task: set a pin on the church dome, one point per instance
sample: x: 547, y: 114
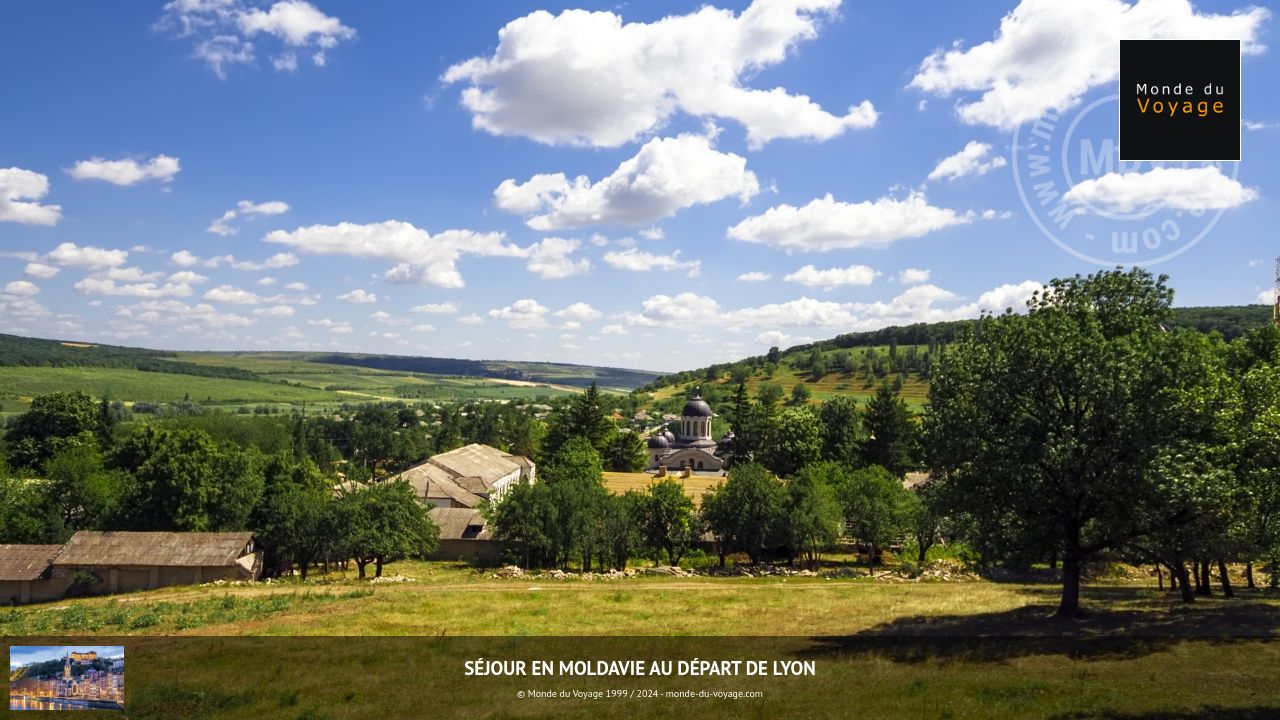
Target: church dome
x: 670, y: 436
x: 697, y: 407
x: 659, y: 441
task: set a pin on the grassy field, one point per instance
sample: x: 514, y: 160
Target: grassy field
x: 972, y: 649
x: 694, y: 485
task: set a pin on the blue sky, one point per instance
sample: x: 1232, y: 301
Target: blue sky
x: 26, y: 654
x: 642, y: 185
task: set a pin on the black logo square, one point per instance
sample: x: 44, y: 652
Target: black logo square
x: 1179, y: 100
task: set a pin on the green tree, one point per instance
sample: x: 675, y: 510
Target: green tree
x: 81, y: 491
x: 526, y: 520
x: 876, y: 507
x: 745, y: 511
x: 794, y: 442
x: 892, y: 440
x: 668, y: 520
x: 843, y: 433
x: 53, y: 421
x: 799, y: 395
x: 288, y: 520
x: 584, y: 417
x: 625, y: 452
x: 812, y: 516
x: 1046, y: 426
x: 575, y: 482
x: 381, y: 523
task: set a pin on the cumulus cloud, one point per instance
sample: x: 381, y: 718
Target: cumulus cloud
x: 588, y: 78
x: 127, y: 171
x: 40, y: 270
x: 359, y: 295
x: 275, y: 311
x: 832, y: 278
x: 223, y: 31
x: 614, y: 330
x: 1266, y: 297
x: 526, y: 314
x: 974, y: 160
x: 667, y: 310
x: 665, y: 176
x: 1047, y: 54
x: 71, y: 255
x: 99, y: 285
x: 827, y: 224
x: 333, y: 326
x: 246, y: 209
x: 446, y: 308
x: 199, y: 316
x: 472, y: 319
x: 24, y: 288
x: 1203, y: 188
x: 754, y: 276
x: 20, y: 192
x: 636, y: 260
x: 913, y: 276
x: 184, y: 258
x: 549, y: 258
x: 579, y: 311
x: 233, y: 295
x: 420, y: 257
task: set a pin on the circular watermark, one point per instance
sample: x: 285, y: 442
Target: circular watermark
x: 1054, y: 154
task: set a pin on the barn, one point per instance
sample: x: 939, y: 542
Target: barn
x: 25, y: 571
x: 463, y: 535
x: 125, y: 561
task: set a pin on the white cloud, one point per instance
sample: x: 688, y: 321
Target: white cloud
x: 665, y: 176
x: 200, y: 316
x: 222, y: 30
x: 446, y: 308
x: 71, y: 255
x: 1254, y: 125
x: 424, y: 327
x: 825, y: 224
x: 39, y: 270
x: 267, y: 281
x: 913, y: 276
x: 234, y: 295
x: 636, y: 260
x: 1010, y: 296
x: 188, y: 277
x: 754, y: 276
x: 974, y: 159
x: 687, y: 307
x: 96, y: 285
x: 128, y: 274
x: 359, y: 295
x: 1204, y: 188
x: 127, y: 171
x: 296, y: 286
x: 832, y: 278
x: 246, y: 209
x: 586, y: 78
x: 20, y: 191
x: 332, y: 326
x: 1266, y: 297
x: 549, y: 258
x: 1047, y: 54
x: 525, y: 314
x: 275, y: 311
x: 770, y: 338
x: 653, y: 233
x: 614, y: 330
x: 471, y: 320
x: 579, y: 311
x: 23, y: 288
x: 421, y: 257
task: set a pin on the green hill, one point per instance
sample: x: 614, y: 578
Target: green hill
x: 855, y: 364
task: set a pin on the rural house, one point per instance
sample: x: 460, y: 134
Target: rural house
x: 124, y: 561
x: 463, y: 535
x: 467, y: 476
x: 25, y: 571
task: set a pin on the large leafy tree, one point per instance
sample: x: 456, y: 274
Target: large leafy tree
x: 876, y: 507
x: 668, y: 520
x: 53, y: 422
x: 585, y: 417
x: 625, y: 452
x: 812, y: 517
x: 745, y: 511
x: 383, y: 522
x: 81, y: 491
x: 288, y: 520
x: 794, y: 441
x: 1046, y: 425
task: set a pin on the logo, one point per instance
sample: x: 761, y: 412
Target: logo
x: 1058, y: 153
x: 1180, y: 99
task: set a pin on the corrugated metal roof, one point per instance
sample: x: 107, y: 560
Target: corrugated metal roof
x: 454, y: 523
x: 476, y: 460
x: 26, y: 562
x: 91, y: 548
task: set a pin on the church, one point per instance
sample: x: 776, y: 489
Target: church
x: 692, y: 447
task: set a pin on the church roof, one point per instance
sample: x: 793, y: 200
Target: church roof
x: 697, y: 407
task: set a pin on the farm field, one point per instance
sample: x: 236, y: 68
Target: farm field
x: 972, y: 649
x: 694, y: 485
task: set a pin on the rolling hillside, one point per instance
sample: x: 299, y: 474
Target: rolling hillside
x: 855, y: 364
x: 234, y: 380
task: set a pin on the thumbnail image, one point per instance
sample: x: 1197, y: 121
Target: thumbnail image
x: 66, y: 677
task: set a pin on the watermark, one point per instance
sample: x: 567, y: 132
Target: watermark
x: 1057, y: 152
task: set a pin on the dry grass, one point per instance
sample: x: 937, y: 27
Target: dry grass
x: 694, y: 485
